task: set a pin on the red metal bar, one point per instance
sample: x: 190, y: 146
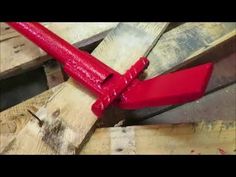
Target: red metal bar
x: 81, y: 66
x: 125, y: 91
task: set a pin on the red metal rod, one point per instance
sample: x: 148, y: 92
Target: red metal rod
x: 80, y: 65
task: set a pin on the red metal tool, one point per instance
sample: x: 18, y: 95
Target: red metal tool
x: 125, y: 91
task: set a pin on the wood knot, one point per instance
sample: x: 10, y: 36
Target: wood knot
x: 56, y: 113
x: 119, y: 149
x: 124, y: 130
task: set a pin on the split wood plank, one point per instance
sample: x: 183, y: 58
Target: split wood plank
x: 18, y: 54
x: 216, y: 137
x: 67, y: 117
x: 15, y: 118
x: 224, y: 74
x: 215, y: 106
x: 181, y: 46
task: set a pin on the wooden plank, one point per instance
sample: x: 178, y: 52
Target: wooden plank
x: 67, y: 117
x: 15, y: 118
x: 6, y: 32
x: 183, y: 45
x: 219, y: 105
x: 19, y: 54
x: 224, y: 74
x: 197, y: 138
x: 186, y: 43
x: 54, y: 73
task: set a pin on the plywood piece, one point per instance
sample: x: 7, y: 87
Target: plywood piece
x: 18, y: 53
x: 67, y: 117
x: 216, y: 137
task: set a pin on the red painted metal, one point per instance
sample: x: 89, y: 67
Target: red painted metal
x: 82, y: 66
x: 173, y: 88
x: 120, y: 85
x: 125, y: 91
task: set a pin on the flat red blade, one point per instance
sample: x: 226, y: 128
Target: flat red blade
x: 173, y: 88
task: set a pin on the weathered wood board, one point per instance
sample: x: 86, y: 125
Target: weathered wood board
x: 67, y: 116
x: 186, y: 43
x: 54, y: 73
x: 216, y: 137
x: 18, y: 54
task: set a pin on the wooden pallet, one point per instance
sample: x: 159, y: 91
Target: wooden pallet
x: 184, y: 45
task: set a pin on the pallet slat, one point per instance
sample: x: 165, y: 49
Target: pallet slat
x: 197, y: 138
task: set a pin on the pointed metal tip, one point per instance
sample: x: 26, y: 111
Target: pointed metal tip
x: 172, y: 88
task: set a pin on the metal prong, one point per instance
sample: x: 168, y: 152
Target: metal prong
x: 40, y: 121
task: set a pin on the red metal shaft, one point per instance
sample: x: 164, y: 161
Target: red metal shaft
x: 81, y: 66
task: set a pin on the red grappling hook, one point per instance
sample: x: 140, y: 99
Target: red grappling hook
x: 125, y: 91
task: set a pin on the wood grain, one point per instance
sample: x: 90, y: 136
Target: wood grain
x: 15, y: 118
x: 67, y: 117
x: 216, y: 137
x: 186, y: 43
